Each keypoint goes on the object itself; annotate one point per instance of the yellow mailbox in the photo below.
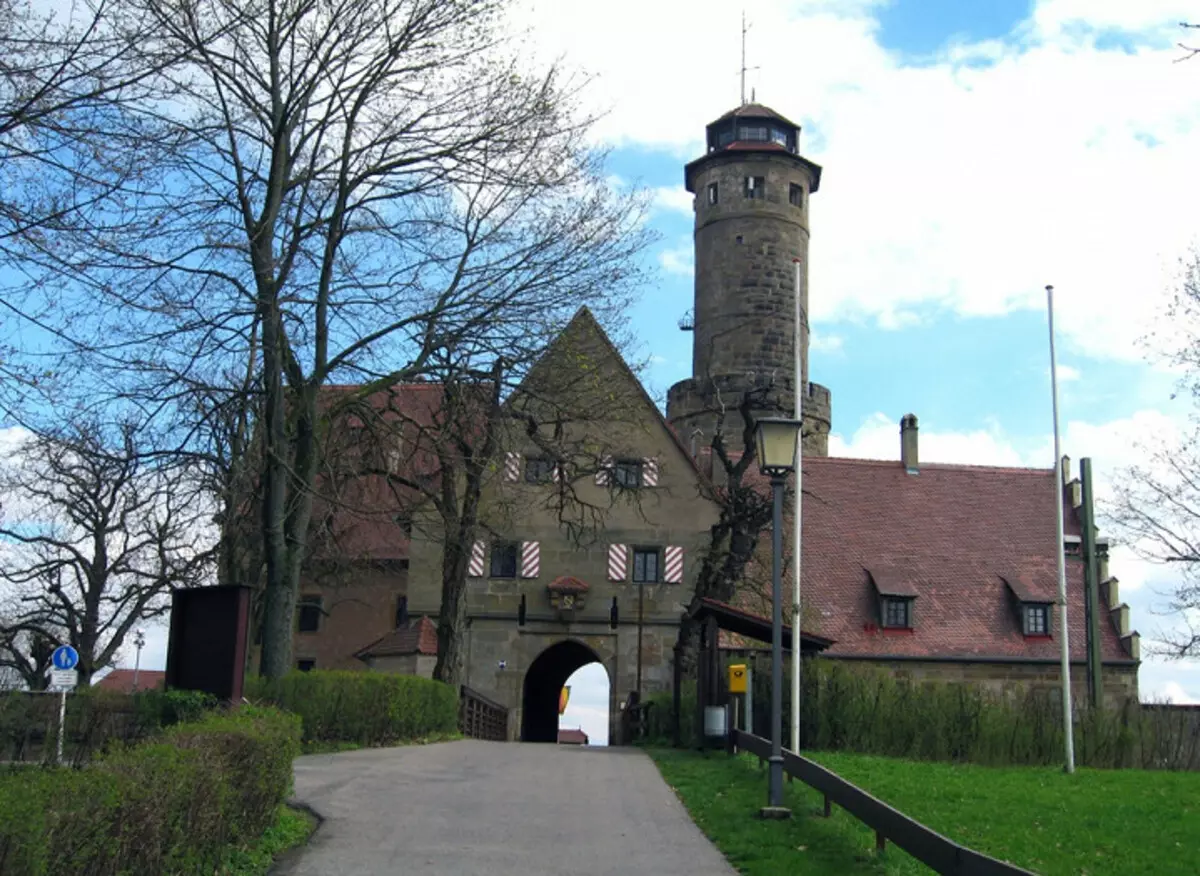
(737, 678)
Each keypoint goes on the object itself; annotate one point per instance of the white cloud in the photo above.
(679, 260)
(672, 199)
(587, 706)
(879, 438)
(1065, 373)
(966, 182)
(820, 343)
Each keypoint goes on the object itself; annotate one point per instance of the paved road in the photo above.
(493, 808)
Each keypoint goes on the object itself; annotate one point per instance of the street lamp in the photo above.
(776, 442)
(139, 641)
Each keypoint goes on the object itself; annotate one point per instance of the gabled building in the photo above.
(598, 511)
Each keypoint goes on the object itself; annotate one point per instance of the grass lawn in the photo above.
(1095, 822)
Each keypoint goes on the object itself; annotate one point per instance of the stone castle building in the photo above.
(591, 540)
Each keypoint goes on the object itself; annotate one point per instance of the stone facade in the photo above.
(672, 513)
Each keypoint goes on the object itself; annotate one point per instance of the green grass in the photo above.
(1096, 822)
(292, 827)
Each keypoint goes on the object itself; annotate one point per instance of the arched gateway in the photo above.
(543, 681)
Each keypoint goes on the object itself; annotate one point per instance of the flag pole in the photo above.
(1068, 734)
(798, 395)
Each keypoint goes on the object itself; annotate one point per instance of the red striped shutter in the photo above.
(674, 565)
(617, 562)
(475, 566)
(605, 471)
(650, 472)
(512, 466)
(530, 559)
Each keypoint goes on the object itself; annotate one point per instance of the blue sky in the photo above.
(972, 153)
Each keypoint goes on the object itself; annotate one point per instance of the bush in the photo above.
(868, 710)
(169, 806)
(365, 708)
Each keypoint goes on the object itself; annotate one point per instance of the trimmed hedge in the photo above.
(365, 708)
(171, 806)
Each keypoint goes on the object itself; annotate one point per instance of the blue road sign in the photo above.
(65, 657)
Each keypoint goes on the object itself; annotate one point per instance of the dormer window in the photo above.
(896, 613)
(896, 593)
(1036, 619)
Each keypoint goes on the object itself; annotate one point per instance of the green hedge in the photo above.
(168, 806)
(365, 708)
(868, 710)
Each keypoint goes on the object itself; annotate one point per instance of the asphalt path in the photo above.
(492, 808)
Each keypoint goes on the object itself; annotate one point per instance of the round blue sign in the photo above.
(65, 657)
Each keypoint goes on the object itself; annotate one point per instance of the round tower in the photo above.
(751, 189)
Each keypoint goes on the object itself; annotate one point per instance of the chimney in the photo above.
(908, 442)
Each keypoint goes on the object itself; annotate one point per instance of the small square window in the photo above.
(1037, 620)
(306, 665)
(504, 560)
(539, 470)
(713, 193)
(645, 565)
(308, 614)
(796, 195)
(897, 613)
(755, 187)
(628, 473)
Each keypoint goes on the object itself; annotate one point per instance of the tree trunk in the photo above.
(280, 598)
(453, 617)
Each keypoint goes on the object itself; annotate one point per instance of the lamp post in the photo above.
(776, 440)
(139, 642)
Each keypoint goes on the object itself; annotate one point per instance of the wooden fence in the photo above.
(481, 718)
(927, 846)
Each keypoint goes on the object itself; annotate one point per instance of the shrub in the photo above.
(868, 710)
(168, 806)
(366, 708)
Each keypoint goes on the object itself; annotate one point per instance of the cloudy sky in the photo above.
(972, 154)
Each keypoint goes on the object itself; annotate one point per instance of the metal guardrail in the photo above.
(929, 847)
(480, 717)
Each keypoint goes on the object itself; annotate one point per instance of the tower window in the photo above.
(755, 187)
(712, 193)
(796, 195)
(780, 137)
(754, 134)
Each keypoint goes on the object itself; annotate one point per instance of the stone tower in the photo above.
(751, 193)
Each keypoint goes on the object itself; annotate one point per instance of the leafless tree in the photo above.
(94, 539)
(365, 184)
(1155, 507)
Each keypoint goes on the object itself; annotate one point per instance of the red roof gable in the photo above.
(572, 737)
(419, 637)
(952, 536)
(122, 680)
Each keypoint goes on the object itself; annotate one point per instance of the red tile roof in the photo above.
(572, 737)
(419, 637)
(957, 534)
(122, 680)
(568, 584)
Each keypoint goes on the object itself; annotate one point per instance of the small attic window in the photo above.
(1072, 546)
(1035, 619)
(895, 612)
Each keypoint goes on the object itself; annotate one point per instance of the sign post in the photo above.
(64, 677)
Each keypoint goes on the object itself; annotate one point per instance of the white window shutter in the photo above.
(673, 573)
(530, 559)
(512, 466)
(618, 566)
(650, 472)
(478, 555)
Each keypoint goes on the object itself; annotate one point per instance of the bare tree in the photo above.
(95, 538)
(1155, 507)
